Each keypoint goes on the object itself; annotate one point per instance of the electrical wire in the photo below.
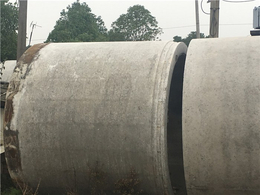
(241, 24)
(201, 6)
(179, 27)
(242, 1)
(228, 1)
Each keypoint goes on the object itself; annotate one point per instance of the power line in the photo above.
(38, 39)
(241, 24)
(180, 27)
(242, 1)
(228, 1)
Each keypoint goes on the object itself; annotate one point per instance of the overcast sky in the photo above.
(175, 17)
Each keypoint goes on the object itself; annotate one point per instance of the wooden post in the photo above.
(214, 18)
(21, 41)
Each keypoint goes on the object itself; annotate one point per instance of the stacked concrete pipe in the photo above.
(221, 116)
(107, 118)
(6, 71)
(92, 118)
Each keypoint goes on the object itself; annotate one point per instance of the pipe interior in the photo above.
(174, 129)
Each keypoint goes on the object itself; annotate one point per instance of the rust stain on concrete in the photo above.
(30, 53)
(11, 137)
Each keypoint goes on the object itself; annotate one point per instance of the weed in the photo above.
(12, 191)
(27, 190)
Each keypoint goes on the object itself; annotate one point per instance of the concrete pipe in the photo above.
(221, 117)
(96, 118)
(6, 72)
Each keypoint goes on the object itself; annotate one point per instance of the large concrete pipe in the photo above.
(6, 72)
(221, 116)
(91, 118)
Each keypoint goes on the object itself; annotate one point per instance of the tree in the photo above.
(9, 28)
(78, 24)
(188, 39)
(136, 25)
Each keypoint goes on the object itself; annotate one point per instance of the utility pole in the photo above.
(214, 18)
(197, 19)
(22, 22)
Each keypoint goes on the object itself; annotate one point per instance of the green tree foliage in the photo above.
(9, 27)
(78, 24)
(188, 39)
(136, 25)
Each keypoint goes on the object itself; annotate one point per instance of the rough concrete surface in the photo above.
(221, 116)
(6, 72)
(1, 136)
(88, 117)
